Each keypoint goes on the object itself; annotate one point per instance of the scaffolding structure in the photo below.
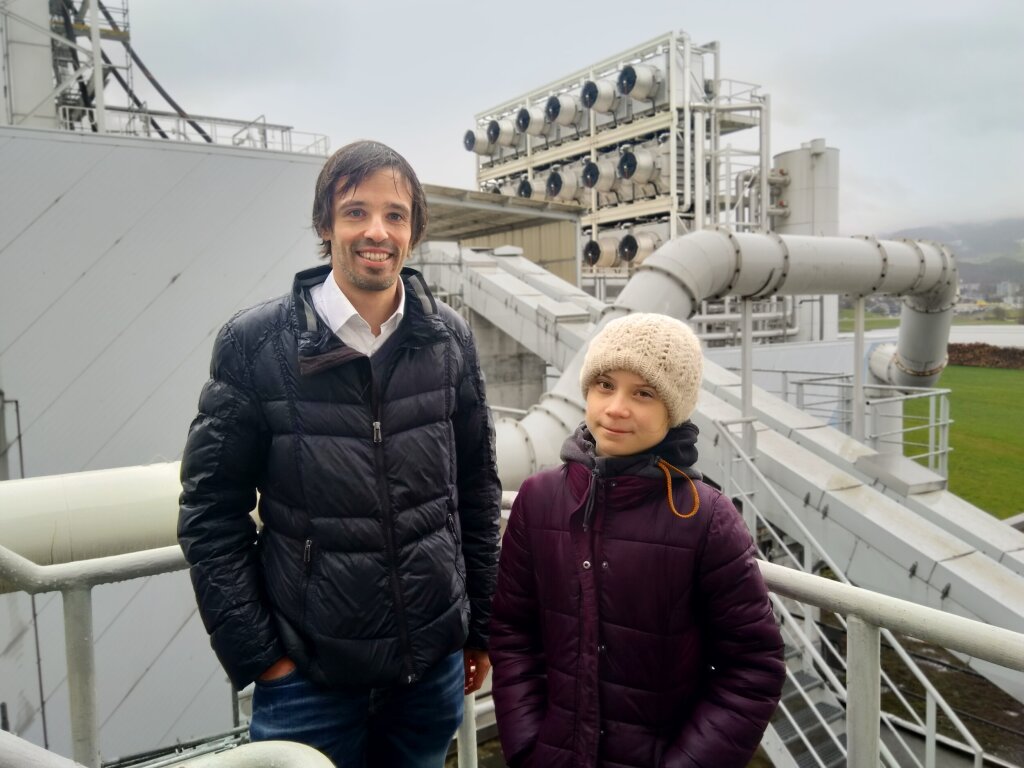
(56, 71)
(636, 141)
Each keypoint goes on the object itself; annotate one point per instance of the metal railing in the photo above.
(829, 397)
(17, 753)
(252, 134)
(807, 629)
(868, 615)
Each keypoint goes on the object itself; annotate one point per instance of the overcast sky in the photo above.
(924, 100)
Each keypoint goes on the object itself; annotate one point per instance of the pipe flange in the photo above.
(569, 428)
(921, 259)
(769, 288)
(920, 374)
(951, 275)
(883, 256)
(531, 452)
(919, 302)
(739, 260)
(648, 265)
(946, 257)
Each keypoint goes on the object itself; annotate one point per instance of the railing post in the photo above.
(858, 370)
(812, 613)
(467, 733)
(931, 724)
(863, 686)
(81, 661)
(946, 421)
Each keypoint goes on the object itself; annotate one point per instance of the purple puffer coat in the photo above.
(625, 633)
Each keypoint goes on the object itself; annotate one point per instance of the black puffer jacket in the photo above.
(378, 493)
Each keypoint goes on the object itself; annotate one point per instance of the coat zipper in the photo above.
(307, 568)
(588, 510)
(389, 534)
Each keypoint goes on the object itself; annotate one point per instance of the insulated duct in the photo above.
(602, 252)
(641, 166)
(600, 96)
(715, 263)
(673, 281)
(533, 121)
(502, 132)
(639, 81)
(564, 184)
(638, 246)
(477, 141)
(601, 175)
(563, 110)
(528, 190)
(64, 518)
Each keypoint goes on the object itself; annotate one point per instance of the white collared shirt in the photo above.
(341, 317)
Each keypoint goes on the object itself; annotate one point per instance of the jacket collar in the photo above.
(320, 349)
(679, 448)
(677, 452)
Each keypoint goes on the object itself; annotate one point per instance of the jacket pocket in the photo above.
(456, 551)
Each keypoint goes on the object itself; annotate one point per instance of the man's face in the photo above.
(371, 234)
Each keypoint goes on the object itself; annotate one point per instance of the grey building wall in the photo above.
(119, 260)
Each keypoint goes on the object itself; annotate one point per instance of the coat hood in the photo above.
(679, 449)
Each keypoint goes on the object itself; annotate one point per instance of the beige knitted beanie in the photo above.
(662, 350)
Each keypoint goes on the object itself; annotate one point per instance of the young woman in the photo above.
(631, 626)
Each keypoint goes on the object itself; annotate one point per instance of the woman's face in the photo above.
(625, 414)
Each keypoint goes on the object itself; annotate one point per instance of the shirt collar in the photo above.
(336, 310)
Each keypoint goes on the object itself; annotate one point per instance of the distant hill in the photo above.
(1004, 268)
(986, 251)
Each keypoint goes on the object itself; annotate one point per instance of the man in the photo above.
(355, 405)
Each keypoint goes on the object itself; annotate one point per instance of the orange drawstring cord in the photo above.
(665, 467)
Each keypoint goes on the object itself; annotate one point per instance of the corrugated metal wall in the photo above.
(119, 260)
(553, 246)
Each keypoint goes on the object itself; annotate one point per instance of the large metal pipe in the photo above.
(64, 518)
(39, 522)
(676, 278)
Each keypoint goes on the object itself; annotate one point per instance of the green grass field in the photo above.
(987, 436)
(873, 321)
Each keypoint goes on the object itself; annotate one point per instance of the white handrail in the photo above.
(1000, 646)
(263, 754)
(932, 693)
(994, 644)
(18, 753)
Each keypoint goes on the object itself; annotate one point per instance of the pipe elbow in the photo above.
(889, 366)
(944, 292)
(698, 265)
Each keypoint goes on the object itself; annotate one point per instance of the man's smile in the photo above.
(377, 256)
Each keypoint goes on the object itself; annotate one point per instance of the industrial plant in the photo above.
(645, 182)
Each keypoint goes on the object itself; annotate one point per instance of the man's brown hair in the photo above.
(351, 165)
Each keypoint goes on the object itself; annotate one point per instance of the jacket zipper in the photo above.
(588, 509)
(307, 568)
(389, 534)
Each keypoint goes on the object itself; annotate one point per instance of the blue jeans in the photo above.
(404, 726)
